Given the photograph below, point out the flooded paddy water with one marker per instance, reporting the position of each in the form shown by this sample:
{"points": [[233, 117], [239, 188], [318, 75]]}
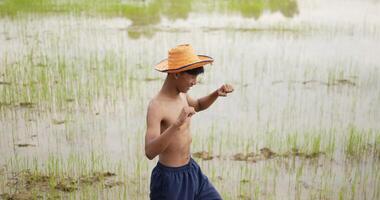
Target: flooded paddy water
{"points": [[303, 122]]}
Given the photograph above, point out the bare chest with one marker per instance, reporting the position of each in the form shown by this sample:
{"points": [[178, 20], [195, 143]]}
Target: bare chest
{"points": [[171, 111]]}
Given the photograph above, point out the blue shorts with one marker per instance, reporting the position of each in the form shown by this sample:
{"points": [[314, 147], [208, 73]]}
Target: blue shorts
{"points": [[184, 183]]}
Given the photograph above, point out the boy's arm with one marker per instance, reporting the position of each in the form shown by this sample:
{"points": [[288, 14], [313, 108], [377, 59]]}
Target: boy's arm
{"points": [[156, 143], [205, 102]]}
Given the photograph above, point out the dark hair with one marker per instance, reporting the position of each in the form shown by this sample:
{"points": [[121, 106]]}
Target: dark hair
{"points": [[195, 71]]}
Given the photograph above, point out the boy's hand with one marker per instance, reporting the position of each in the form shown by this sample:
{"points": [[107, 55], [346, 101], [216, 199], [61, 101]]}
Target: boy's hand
{"points": [[184, 116], [224, 90]]}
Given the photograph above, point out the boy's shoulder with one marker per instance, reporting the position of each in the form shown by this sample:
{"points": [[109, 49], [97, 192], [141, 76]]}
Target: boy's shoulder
{"points": [[155, 103]]}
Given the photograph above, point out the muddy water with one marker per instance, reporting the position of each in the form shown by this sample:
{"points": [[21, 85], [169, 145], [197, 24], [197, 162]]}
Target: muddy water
{"points": [[77, 84]]}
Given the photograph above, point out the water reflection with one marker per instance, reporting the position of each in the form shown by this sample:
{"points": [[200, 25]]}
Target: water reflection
{"points": [[150, 14], [144, 14], [255, 9]]}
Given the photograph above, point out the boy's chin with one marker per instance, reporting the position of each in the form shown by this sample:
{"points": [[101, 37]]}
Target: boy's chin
{"points": [[185, 90]]}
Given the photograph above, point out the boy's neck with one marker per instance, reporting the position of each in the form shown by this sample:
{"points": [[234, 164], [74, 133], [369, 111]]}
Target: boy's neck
{"points": [[169, 88]]}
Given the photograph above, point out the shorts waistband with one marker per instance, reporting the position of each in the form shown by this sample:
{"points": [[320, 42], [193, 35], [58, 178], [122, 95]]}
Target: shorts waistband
{"points": [[176, 169]]}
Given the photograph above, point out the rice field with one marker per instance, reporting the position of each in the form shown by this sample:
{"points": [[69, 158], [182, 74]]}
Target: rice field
{"points": [[303, 122]]}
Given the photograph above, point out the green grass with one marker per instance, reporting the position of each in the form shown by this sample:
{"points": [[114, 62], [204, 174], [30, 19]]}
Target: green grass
{"points": [[358, 143], [144, 13]]}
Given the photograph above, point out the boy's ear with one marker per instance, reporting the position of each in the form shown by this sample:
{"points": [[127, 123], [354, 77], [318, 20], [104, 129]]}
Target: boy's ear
{"points": [[176, 75]]}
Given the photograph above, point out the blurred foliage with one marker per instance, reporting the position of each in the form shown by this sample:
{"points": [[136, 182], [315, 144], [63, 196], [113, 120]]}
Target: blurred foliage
{"points": [[144, 13], [149, 10]]}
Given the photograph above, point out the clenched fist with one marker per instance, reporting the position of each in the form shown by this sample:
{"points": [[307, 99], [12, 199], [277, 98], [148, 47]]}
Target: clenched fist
{"points": [[184, 116], [224, 90]]}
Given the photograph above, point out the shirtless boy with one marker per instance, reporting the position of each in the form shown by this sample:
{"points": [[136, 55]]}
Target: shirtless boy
{"points": [[177, 175]]}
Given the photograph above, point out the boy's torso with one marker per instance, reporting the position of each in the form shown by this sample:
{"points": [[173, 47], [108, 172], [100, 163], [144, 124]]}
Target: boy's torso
{"points": [[178, 151]]}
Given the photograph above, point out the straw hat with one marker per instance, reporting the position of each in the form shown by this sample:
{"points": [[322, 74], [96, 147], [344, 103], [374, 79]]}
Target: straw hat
{"points": [[182, 58]]}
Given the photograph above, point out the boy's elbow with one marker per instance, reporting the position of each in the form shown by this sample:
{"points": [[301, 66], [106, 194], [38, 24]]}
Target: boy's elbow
{"points": [[198, 107], [149, 155]]}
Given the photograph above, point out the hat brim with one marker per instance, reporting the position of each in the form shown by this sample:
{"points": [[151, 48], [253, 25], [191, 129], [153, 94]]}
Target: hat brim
{"points": [[163, 65]]}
